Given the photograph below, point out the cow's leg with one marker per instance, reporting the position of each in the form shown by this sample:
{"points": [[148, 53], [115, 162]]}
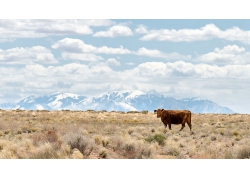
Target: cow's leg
{"points": [[190, 126], [182, 126], [169, 126]]}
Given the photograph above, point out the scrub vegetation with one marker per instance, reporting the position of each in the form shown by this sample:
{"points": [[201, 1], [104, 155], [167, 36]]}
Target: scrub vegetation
{"points": [[66, 134]]}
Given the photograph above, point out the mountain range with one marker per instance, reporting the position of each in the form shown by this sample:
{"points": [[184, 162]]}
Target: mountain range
{"points": [[126, 100]]}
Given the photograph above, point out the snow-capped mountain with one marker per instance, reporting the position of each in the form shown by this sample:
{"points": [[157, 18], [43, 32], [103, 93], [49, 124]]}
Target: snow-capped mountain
{"points": [[126, 100], [55, 101], [197, 104]]}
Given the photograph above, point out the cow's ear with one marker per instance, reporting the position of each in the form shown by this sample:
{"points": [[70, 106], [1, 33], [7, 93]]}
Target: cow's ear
{"points": [[154, 110], [162, 109]]}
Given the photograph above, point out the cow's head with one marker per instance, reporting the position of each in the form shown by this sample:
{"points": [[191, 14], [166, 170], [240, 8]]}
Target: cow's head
{"points": [[158, 112]]}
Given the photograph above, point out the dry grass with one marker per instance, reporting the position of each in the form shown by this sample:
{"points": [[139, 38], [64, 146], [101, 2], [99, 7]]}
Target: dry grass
{"points": [[118, 135]]}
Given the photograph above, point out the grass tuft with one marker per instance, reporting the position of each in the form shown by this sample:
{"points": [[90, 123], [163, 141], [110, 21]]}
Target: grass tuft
{"points": [[159, 138]]}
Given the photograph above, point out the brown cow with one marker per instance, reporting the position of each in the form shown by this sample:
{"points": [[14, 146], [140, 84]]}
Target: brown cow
{"points": [[169, 117]]}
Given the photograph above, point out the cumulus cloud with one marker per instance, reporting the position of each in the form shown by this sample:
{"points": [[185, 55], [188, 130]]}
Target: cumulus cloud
{"points": [[141, 29], [230, 49], [158, 54], [207, 32], [97, 22], [73, 45], [78, 46], [184, 79], [189, 70], [113, 62], [81, 57], [35, 54], [231, 54], [114, 31], [11, 28], [108, 50]]}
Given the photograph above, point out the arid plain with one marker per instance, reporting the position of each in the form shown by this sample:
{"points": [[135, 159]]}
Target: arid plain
{"points": [[120, 135]]}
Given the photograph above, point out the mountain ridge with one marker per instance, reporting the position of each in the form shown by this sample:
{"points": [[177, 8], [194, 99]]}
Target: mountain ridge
{"points": [[125, 100]]}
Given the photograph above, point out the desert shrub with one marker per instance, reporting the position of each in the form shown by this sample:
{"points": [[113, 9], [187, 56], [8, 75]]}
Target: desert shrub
{"points": [[133, 112], [98, 139], [129, 147], [181, 145], [213, 138], [222, 132], [82, 143], [7, 131], [103, 153], [173, 151], [52, 136], [235, 133], [131, 130], [19, 131], [144, 112], [46, 152], [204, 135], [90, 110], [159, 138], [48, 136], [85, 132], [238, 138], [136, 149], [144, 151], [244, 153], [105, 142], [66, 110]]}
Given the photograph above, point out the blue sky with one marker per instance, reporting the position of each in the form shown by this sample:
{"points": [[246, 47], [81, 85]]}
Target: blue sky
{"points": [[177, 57]]}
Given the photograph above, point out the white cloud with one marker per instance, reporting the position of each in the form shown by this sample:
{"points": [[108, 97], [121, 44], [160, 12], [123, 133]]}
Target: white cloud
{"points": [[108, 50], [173, 79], [78, 46], [11, 28], [113, 62], [158, 54], [97, 22], [80, 57], [207, 32], [141, 29], [73, 45], [35, 54], [230, 49], [231, 54], [114, 31], [188, 70]]}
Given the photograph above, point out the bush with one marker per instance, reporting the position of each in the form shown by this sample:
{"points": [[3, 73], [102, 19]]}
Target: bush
{"points": [[133, 112], [46, 152], [103, 153], [244, 153], [50, 136], [144, 112], [173, 151], [159, 138], [105, 142], [82, 143]]}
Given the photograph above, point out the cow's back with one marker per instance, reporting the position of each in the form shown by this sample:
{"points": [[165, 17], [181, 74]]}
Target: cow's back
{"points": [[177, 116]]}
